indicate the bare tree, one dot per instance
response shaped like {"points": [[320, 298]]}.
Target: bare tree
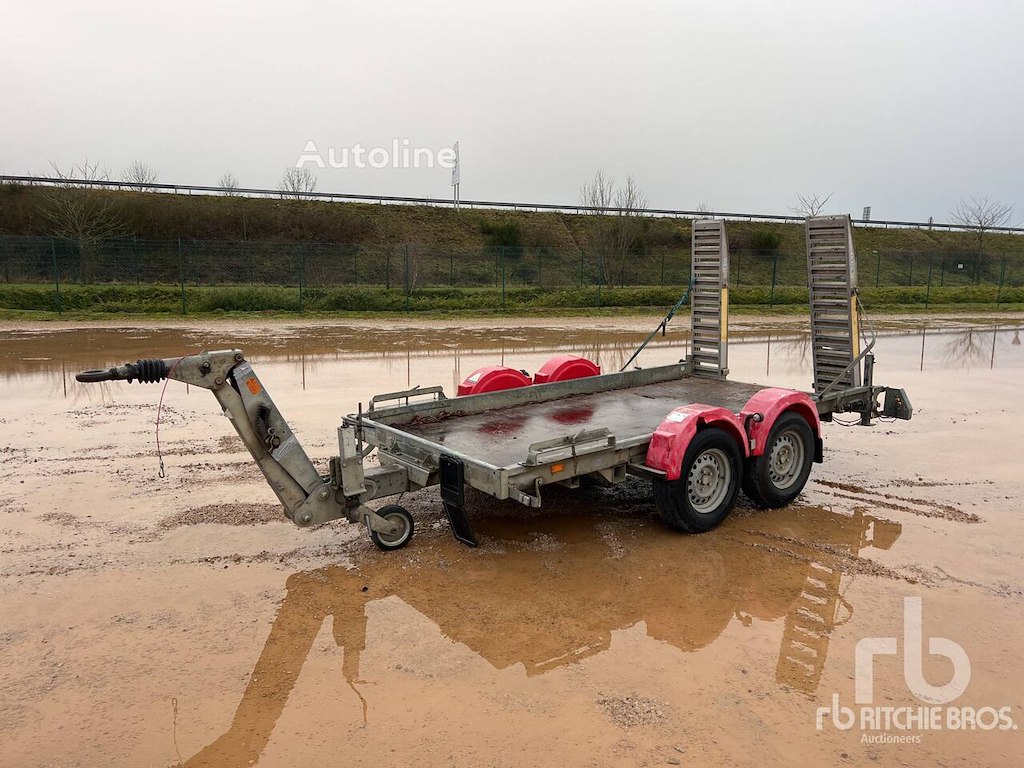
{"points": [[75, 211], [979, 214], [616, 223], [296, 181], [630, 203], [229, 184], [810, 205], [704, 210], [80, 174], [141, 176]]}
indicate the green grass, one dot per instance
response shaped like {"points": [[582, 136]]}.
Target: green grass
{"points": [[99, 300]]}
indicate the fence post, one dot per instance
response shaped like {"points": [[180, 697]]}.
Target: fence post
{"points": [[503, 278], [910, 280], [181, 277], [928, 290], [942, 273], [56, 276], [581, 268], [775, 272], [302, 276], [451, 268], [1002, 276], [878, 268], [408, 287]]}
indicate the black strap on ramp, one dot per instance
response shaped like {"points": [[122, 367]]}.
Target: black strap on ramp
{"points": [[453, 498]]}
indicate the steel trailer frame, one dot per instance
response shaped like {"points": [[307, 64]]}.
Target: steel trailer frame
{"points": [[408, 428]]}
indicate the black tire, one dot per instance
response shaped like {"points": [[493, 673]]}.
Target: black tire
{"points": [[399, 515], [706, 490], [776, 477]]}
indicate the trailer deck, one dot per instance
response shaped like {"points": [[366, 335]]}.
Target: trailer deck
{"points": [[695, 435], [502, 436]]}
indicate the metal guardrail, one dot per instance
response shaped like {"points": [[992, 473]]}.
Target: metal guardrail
{"points": [[446, 203]]}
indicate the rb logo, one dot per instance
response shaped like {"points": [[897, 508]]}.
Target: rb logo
{"points": [[870, 647]]}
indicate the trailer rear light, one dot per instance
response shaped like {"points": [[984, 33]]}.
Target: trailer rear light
{"points": [[556, 468]]}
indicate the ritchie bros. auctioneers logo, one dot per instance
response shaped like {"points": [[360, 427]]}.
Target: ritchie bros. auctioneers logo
{"points": [[904, 724]]}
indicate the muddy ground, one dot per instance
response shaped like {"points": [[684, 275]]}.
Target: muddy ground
{"points": [[148, 621]]}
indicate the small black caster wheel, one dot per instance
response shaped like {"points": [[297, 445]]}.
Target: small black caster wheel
{"points": [[402, 520]]}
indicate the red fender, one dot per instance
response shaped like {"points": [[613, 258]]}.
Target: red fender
{"points": [[772, 403], [493, 378], [564, 368], [673, 435]]}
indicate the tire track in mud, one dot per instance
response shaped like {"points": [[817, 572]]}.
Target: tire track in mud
{"points": [[95, 557], [922, 483], [851, 563], [815, 552], [83, 552], [924, 508], [225, 514], [937, 574]]}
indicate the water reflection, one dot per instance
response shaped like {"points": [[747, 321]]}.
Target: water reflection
{"points": [[523, 602], [42, 364], [968, 348]]}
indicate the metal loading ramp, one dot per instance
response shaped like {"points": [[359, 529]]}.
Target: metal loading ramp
{"points": [[832, 289], [709, 298]]}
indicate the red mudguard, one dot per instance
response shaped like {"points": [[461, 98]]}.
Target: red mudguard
{"points": [[564, 368], [492, 379], [772, 403], [673, 435]]}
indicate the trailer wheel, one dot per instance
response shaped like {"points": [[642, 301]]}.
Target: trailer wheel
{"points": [[400, 517], [776, 477], [703, 495]]}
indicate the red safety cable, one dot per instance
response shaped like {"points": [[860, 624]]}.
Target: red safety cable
{"points": [[159, 409]]}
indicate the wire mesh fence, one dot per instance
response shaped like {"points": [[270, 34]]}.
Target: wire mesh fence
{"points": [[307, 271]]}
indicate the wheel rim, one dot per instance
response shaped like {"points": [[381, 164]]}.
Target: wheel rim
{"points": [[709, 480], [786, 460], [403, 530]]}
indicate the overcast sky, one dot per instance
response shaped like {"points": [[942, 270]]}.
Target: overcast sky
{"points": [[904, 106]]}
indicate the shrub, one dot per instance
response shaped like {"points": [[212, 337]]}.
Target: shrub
{"points": [[765, 241], [502, 234]]}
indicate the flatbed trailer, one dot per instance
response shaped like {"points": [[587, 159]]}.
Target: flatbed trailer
{"points": [[697, 436]]}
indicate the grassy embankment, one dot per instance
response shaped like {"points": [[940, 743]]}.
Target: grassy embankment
{"points": [[551, 238]]}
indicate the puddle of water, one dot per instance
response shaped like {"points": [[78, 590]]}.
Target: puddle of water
{"points": [[548, 592], [133, 635]]}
